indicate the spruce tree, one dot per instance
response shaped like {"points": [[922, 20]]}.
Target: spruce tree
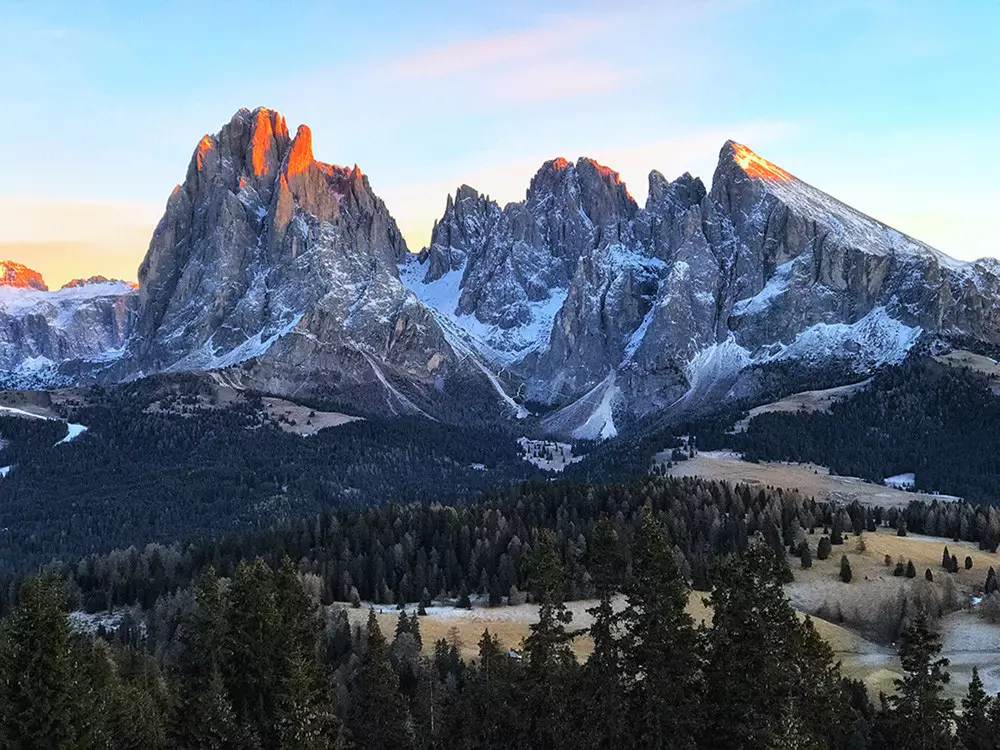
{"points": [[916, 715], [378, 714], [845, 569], [203, 714], [254, 647], [602, 702], [550, 665], [973, 726], [39, 693], [762, 666], [659, 646], [823, 549]]}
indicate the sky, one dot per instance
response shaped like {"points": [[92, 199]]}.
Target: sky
{"points": [[892, 107]]}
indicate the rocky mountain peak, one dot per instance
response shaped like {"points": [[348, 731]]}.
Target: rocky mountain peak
{"points": [[94, 280], [20, 277]]}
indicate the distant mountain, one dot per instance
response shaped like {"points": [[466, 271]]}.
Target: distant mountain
{"points": [[20, 277], [53, 338], [575, 308], [609, 313]]}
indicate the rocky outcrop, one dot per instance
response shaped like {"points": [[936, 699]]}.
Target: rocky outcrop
{"points": [[20, 277], [288, 267], [41, 331], [668, 309]]}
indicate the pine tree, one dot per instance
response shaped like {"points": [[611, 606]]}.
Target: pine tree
{"points": [[550, 666], [845, 569], [378, 713], [946, 558], [39, 694], [303, 712], [823, 549], [805, 556], [917, 716], [601, 702], [203, 715], [973, 727], [762, 665], [254, 647], [659, 646], [911, 570]]}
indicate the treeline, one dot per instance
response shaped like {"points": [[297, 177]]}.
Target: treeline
{"points": [[935, 421], [143, 474], [261, 665], [420, 552]]}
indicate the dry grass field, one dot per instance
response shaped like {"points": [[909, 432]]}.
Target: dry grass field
{"points": [[805, 401], [968, 640], [809, 479]]}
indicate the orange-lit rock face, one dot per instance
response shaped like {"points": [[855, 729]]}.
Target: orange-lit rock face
{"points": [[263, 137], [204, 146], [20, 276], [301, 155], [757, 166]]}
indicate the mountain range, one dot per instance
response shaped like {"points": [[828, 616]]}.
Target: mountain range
{"points": [[576, 308]]}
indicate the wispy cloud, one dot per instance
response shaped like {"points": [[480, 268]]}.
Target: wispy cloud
{"points": [[553, 38], [563, 57]]}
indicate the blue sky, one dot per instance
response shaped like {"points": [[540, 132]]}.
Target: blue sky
{"points": [[890, 106]]}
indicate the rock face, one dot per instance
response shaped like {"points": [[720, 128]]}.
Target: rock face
{"points": [[675, 306], [269, 259], [290, 275], [42, 331], [20, 277]]}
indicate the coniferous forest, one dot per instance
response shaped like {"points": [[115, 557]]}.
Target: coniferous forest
{"points": [[259, 664]]}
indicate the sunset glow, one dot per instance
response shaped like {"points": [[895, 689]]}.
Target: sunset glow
{"points": [[757, 166]]}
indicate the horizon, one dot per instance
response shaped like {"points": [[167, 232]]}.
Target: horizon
{"points": [[436, 101]]}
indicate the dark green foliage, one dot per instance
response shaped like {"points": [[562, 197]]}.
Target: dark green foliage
{"points": [[766, 672], [973, 728], [378, 713], [968, 562], [805, 556], [916, 715], [928, 575], [911, 570], [845, 569], [824, 548], [906, 420], [660, 651], [141, 475], [40, 697]]}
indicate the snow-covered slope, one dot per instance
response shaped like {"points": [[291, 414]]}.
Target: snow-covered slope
{"points": [[42, 331]]}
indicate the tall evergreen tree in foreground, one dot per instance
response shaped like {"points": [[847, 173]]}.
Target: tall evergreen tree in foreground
{"points": [[768, 677], [378, 713], [551, 667], [660, 646], [203, 715], [40, 699], [973, 728], [917, 716]]}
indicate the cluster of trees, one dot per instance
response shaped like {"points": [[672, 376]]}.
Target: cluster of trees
{"points": [[262, 665], [922, 417], [418, 551], [145, 473]]}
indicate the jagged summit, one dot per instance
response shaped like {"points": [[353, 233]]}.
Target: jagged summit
{"points": [[19, 276], [96, 280], [290, 274]]}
